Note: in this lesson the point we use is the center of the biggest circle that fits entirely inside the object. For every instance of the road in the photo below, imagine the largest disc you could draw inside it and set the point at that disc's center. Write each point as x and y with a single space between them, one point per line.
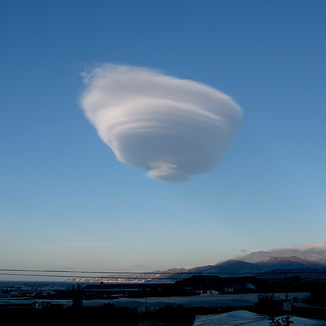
214 300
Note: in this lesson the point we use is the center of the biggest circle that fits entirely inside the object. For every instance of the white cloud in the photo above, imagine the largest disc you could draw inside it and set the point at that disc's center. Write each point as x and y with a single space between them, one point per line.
173 128
314 245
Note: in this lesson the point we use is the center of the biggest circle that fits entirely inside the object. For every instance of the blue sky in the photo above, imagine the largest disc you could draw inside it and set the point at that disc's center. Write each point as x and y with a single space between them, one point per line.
66 202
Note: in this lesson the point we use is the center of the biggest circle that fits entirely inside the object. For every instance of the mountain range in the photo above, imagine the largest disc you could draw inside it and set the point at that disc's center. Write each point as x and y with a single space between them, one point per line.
312 252
299 261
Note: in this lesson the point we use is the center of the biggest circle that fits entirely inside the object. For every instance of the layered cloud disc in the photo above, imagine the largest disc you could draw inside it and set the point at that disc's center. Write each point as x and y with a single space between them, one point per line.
173 128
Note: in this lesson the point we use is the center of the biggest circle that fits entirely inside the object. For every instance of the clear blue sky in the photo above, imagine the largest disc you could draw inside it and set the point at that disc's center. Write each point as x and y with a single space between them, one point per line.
66 202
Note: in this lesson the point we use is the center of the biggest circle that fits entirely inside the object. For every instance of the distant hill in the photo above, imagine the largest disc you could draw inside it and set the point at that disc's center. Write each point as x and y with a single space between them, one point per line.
301 260
230 267
233 268
274 263
312 252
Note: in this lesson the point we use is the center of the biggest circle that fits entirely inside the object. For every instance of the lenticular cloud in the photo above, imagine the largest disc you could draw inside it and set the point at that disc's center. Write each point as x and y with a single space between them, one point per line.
173 128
